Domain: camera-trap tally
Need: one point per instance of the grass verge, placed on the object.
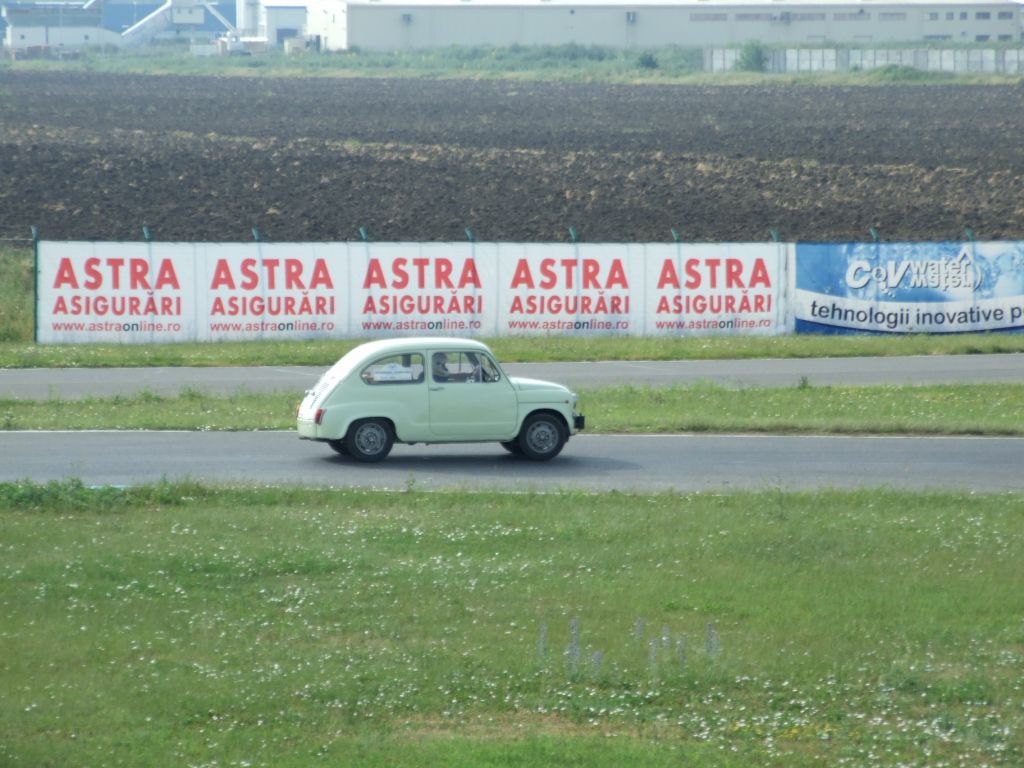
(17, 287)
(563, 63)
(990, 409)
(196, 626)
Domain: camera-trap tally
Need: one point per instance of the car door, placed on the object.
(393, 386)
(470, 398)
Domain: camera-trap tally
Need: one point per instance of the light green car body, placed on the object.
(392, 382)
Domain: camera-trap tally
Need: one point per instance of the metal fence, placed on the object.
(1009, 61)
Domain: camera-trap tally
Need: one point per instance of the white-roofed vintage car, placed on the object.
(434, 390)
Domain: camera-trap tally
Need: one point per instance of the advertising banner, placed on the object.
(273, 290)
(415, 289)
(707, 289)
(115, 292)
(168, 292)
(909, 287)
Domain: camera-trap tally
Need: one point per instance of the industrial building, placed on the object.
(393, 25)
(274, 21)
(63, 25)
(413, 24)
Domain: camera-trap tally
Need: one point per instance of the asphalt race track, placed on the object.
(590, 462)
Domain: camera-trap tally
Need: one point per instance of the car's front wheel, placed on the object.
(370, 440)
(542, 436)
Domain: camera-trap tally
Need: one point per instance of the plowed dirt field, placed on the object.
(200, 158)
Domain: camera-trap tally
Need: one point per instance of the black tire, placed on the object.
(338, 446)
(512, 447)
(542, 437)
(370, 440)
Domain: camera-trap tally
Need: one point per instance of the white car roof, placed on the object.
(413, 344)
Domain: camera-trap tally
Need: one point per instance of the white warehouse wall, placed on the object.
(394, 25)
(328, 19)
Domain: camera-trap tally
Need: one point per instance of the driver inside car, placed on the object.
(439, 365)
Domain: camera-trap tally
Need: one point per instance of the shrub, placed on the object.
(647, 60)
(753, 57)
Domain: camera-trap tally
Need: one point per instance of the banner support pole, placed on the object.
(35, 283)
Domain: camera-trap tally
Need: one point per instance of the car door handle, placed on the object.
(436, 389)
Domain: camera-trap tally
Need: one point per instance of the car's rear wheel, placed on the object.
(338, 446)
(370, 440)
(512, 447)
(542, 437)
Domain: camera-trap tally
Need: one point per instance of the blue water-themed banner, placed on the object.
(950, 287)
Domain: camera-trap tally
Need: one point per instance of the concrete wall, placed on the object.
(1006, 61)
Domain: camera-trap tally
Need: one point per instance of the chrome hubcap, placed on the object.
(542, 437)
(370, 439)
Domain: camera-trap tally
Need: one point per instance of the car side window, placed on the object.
(395, 369)
(463, 368)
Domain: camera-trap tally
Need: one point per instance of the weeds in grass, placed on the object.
(17, 313)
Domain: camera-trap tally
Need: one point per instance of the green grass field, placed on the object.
(180, 625)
